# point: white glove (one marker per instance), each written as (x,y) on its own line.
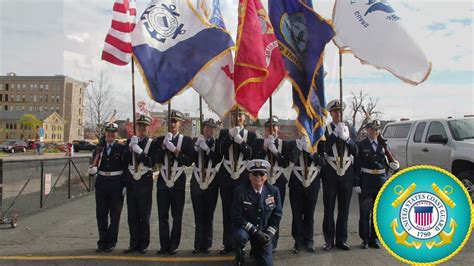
(268,140)
(234,131)
(299,144)
(92,170)
(358,190)
(238,139)
(273,148)
(204,146)
(305,144)
(136,149)
(198,142)
(343,132)
(169,136)
(394,165)
(133,140)
(170,146)
(306,147)
(124,191)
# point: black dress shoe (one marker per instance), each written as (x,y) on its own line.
(109,249)
(129,250)
(195,251)
(172,251)
(328,246)
(295,250)
(364,245)
(162,251)
(225,250)
(99,249)
(143,251)
(206,251)
(343,246)
(310,249)
(375,245)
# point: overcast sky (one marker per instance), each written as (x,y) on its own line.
(48,37)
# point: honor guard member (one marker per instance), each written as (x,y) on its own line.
(235,145)
(175,156)
(256,214)
(140,157)
(276,152)
(371,173)
(108,188)
(204,187)
(338,178)
(304,189)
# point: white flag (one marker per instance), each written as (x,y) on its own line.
(215,83)
(374,33)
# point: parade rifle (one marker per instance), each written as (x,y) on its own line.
(201,152)
(388,153)
(234,146)
(98,152)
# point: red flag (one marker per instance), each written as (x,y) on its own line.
(259,68)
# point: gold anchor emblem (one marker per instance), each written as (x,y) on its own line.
(446,238)
(401,238)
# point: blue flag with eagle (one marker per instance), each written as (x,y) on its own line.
(302,35)
(172,43)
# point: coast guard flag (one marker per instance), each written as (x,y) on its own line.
(172,42)
(215,83)
(374,33)
(302,35)
(118,43)
(259,67)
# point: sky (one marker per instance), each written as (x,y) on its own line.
(49,37)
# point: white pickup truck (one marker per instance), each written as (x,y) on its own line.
(447,143)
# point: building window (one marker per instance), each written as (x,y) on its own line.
(6,87)
(12,98)
(41,108)
(30,108)
(6,97)
(46,86)
(1,87)
(23,98)
(18,98)
(11,107)
(34,98)
(13,86)
(1,97)
(23,108)
(24,86)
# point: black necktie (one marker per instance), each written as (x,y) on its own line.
(374,145)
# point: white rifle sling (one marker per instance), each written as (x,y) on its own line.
(241,163)
(334,162)
(312,171)
(141,170)
(277,170)
(176,170)
(210,171)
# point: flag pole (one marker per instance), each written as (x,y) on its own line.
(270,157)
(201,129)
(341,145)
(168,153)
(133,96)
(134,112)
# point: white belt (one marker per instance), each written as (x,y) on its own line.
(334,162)
(115,173)
(372,171)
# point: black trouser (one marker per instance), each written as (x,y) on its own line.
(366,225)
(303,204)
(139,200)
(342,191)
(170,199)
(226,190)
(262,255)
(281,185)
(204,205)
(108,202)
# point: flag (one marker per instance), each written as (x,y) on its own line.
(118,43)
(259,67)
(171,43)
(374,32)
(302,35)
(215,83)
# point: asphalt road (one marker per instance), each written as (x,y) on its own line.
(70,230)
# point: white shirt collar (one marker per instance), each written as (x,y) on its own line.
(258,191)
(373,140)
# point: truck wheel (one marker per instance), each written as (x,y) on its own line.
(467,179)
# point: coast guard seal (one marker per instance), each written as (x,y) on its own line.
(423,215)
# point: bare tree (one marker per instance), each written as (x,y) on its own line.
(363,108)
(99,104)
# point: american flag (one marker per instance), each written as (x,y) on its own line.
(423,215)
(118,43)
